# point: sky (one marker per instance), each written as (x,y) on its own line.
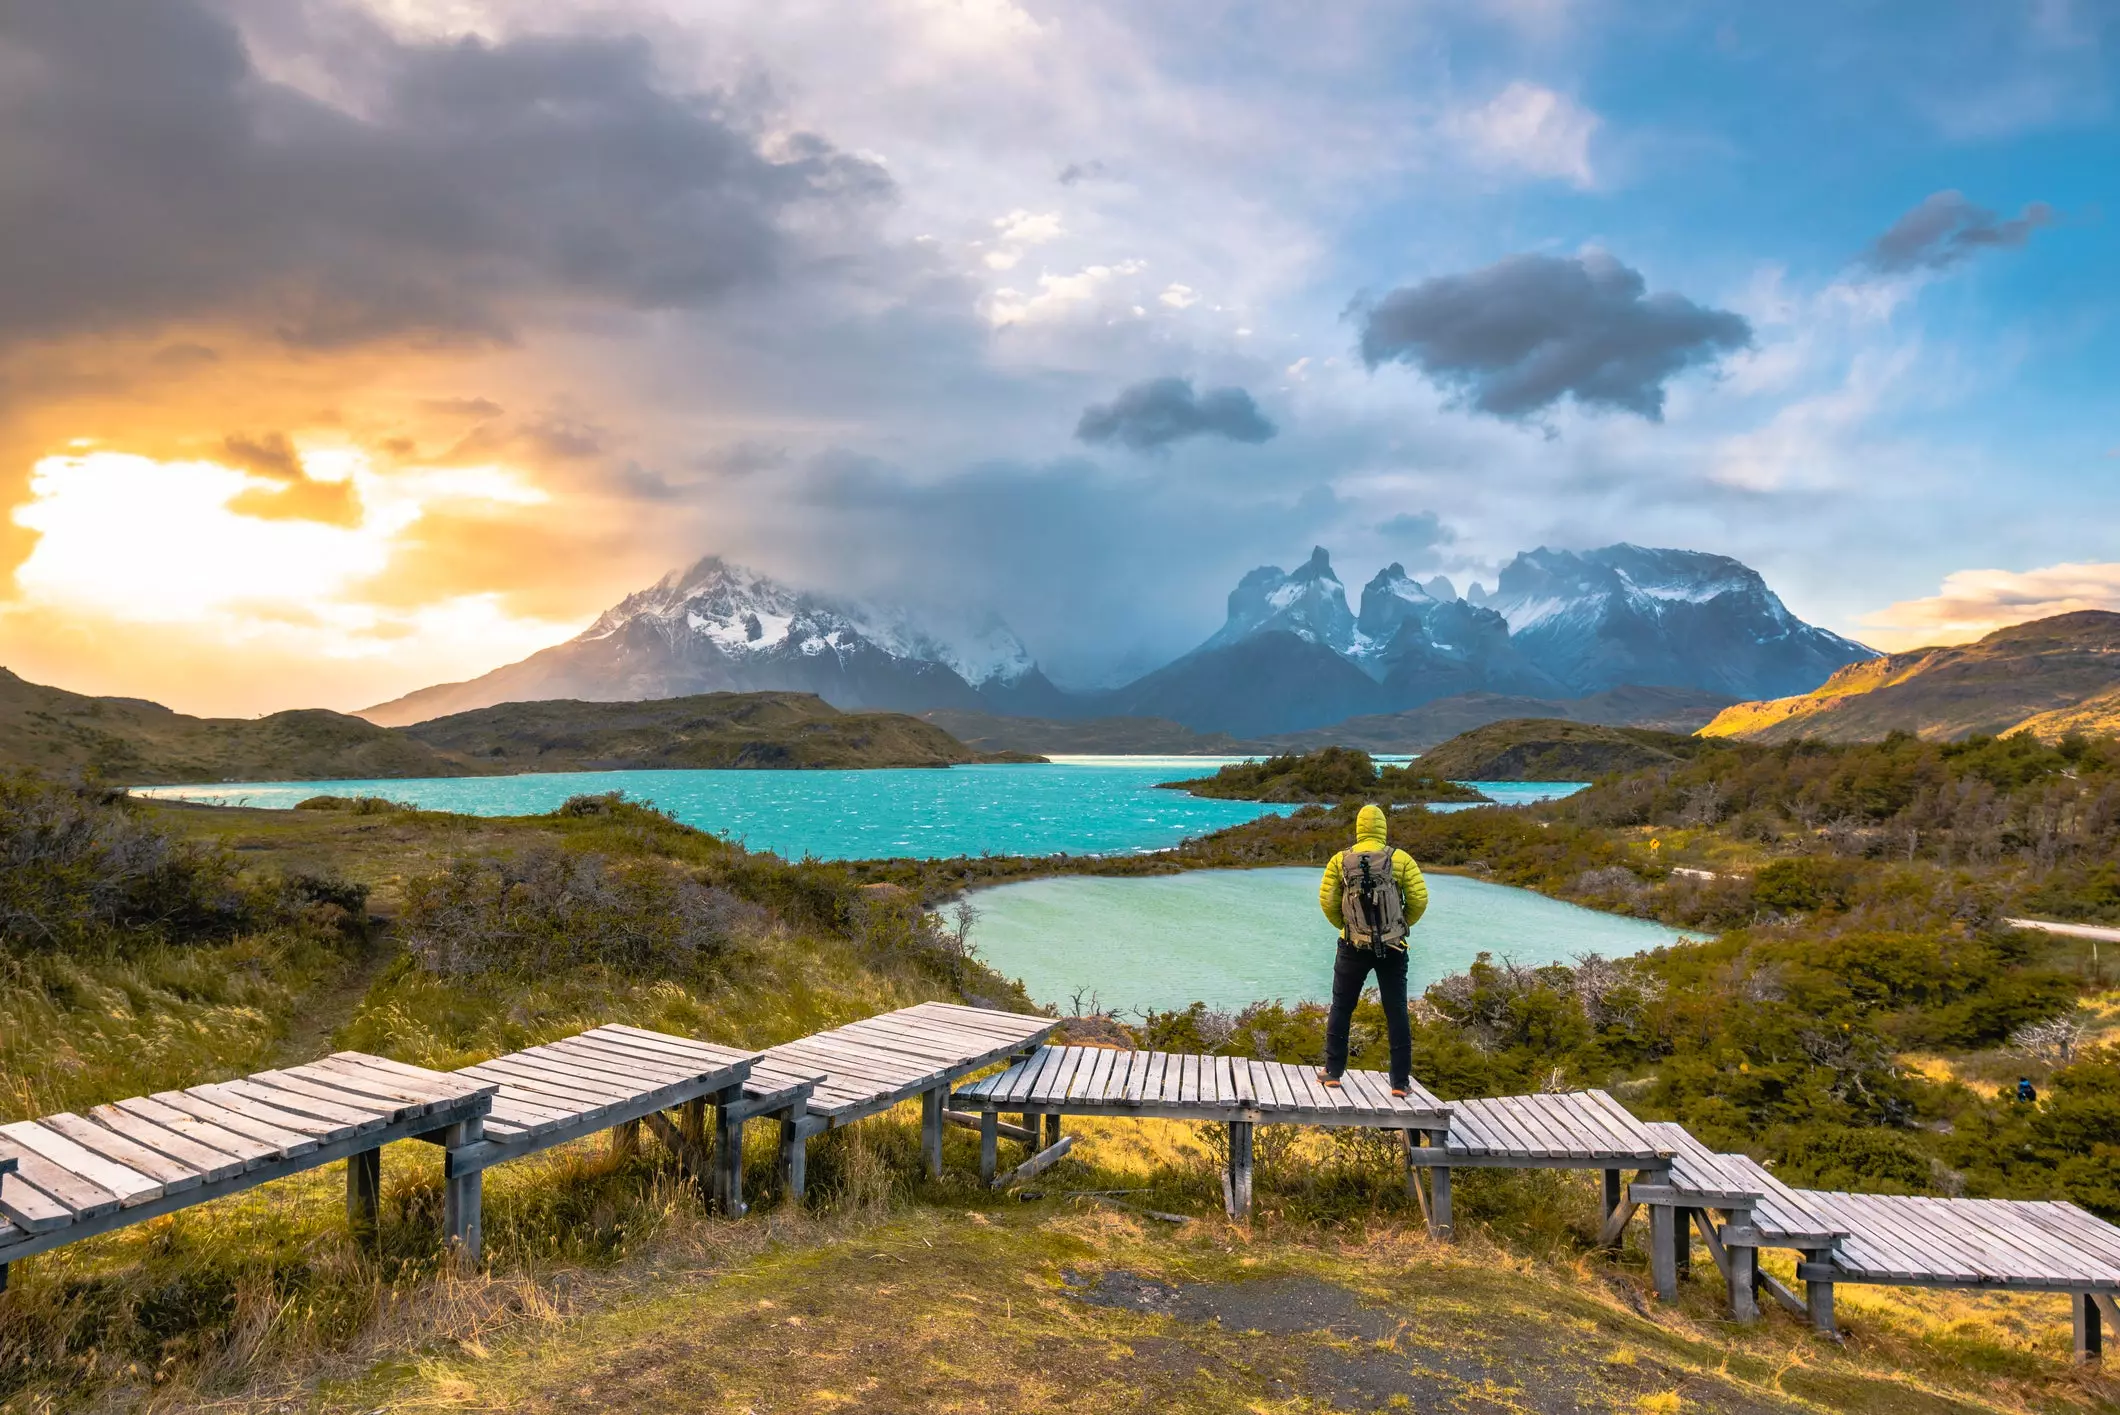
(348,346)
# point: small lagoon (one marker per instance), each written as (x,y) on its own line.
(1082,806)
(1233,937)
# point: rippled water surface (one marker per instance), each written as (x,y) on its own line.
(1088,805)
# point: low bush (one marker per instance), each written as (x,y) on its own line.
(546,910)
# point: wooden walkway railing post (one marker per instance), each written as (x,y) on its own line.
(728,1152)
(364,1196)
(793,1164)
(7,1167)
(1240,1170)
(2090,1328)
(933,1102)
(463,1194)
(1615,1192)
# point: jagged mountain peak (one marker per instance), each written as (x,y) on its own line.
(1309,602)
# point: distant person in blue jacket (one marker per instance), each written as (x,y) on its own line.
(1373,895)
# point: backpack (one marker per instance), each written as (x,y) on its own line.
(1370,902)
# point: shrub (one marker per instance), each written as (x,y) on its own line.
(78,865)
(547,910)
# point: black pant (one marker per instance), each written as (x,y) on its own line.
(1350,970)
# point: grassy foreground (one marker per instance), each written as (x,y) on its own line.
(184,944)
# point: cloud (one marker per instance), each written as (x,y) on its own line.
(1415,531)
(1518,336)
(153,172)
(1151,415)
(1944,228)
(1972,603)
(1533,130)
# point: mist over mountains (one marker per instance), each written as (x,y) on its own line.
(1292,654)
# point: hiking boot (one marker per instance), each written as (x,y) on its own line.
(1400,1091)
(1332,1081)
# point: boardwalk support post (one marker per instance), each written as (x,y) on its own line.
(932,1104)
(2090,1328)
(1664,1241)
(794,1165)
(1818,1295)
(625,1141)
(989,1146)
(463,1191)
(364,1194)
(1615,1195)
(1240,1170)
(1052,1128)
(1439,1225)
(692,1125)
(728,1152)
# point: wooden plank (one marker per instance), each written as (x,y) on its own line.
(1015,1026)
(172,1175)
(1039,1075)
(1244,1082)
(2029,1231)
(286,1142)
(2005,1231)
(683,1048)
(1110,1077)
(541,1062)
(1058,1080)
(228,1098)
(544,1090)
(381,1111)
(444,1085)
(557,1080)
(856,1059)
(356,1071)
(239,1144)
(131,1186)
(83,1197)
(338,1116)
(633,1051)
(203,1159)
(1528,1115)
(1364,1085)
(1980,1238)
(612,1057)
(30,1208)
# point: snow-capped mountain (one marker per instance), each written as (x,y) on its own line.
(721,627)
(1310,603)
(1560,624)
(1597,619)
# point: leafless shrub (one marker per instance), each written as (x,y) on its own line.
(2053,1042)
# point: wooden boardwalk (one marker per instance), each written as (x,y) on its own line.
(867,1067)
(617,1078)
(1233,1091)
(1893,1240)
(67,1177)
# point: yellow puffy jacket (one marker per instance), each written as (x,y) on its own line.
(1369,826)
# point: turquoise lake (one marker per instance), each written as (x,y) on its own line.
(1233,937)
(1079,805)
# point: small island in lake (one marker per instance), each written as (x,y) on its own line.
(1330,774)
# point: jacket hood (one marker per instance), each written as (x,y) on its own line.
(1369,826)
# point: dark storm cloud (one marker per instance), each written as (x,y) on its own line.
(1415,531)
(1520,335)
(150,171)
(1152,414)
(1944,228)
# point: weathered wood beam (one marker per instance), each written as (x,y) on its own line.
(966,1120)
(1037,1164)
(1789,1301)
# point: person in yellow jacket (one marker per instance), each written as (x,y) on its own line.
(1373,895)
